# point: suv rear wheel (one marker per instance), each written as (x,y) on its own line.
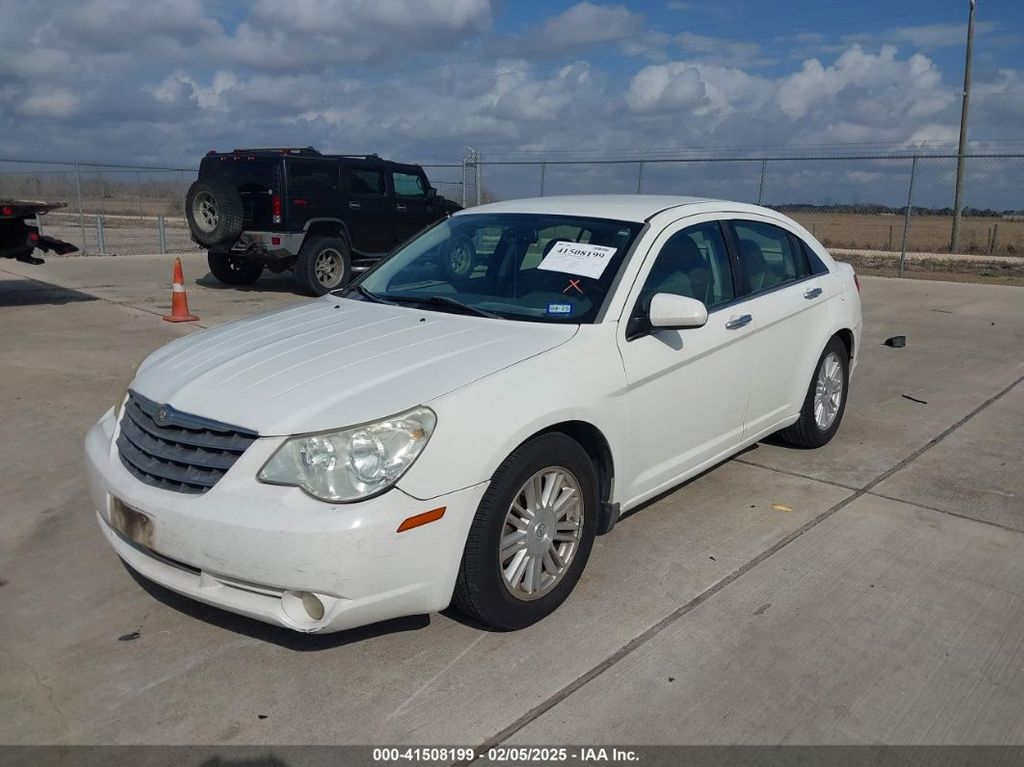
(213,209)
(234,270)
(323,265)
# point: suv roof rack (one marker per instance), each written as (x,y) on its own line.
(300,150)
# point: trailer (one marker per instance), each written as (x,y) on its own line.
(19,233)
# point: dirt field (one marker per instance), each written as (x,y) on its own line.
(929,234)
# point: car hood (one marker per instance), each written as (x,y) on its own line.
(333,362)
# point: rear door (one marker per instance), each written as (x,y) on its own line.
(412,206)
(790,318)
(687,389)
(313,190)
(369,209)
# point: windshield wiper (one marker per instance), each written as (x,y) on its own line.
(450,303)
(370,296)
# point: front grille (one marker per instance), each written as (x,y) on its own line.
(177,451)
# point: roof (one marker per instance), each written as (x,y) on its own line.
(621,207)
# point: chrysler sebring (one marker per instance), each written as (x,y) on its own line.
(458,424)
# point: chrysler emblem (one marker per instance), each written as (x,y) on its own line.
(161,416)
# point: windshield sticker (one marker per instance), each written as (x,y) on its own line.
(559,309)
(578,258)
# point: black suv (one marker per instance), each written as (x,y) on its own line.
(320,215)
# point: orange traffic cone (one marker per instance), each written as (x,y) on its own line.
(179,301)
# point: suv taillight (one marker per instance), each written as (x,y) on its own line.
(856,281)
(275,208)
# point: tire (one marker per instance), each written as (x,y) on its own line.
(482,591)
(213,209)
(808,431)
(234,270)
(459,258)
(323,265)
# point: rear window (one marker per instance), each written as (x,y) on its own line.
(244,175)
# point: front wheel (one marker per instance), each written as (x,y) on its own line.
(323,265)
(825,401)
(234,270)
(531,536)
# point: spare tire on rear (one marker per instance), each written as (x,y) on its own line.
(213,209)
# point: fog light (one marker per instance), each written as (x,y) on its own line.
(302,607)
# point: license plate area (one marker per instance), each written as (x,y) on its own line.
(131,523)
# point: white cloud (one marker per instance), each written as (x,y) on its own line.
(589,23)
(313,34)
(55,103)
(722,50)
(932,36)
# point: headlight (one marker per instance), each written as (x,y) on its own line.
(354,463)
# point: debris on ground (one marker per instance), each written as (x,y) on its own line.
(915,399)
(896,342)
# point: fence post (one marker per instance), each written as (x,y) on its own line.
(543,167)
(81,213)
(906,221)
(463,181)
(476,157)
(760,188)
(162,232)
(640,177)
(995,239)
(101,245)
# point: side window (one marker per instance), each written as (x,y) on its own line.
(313,178)
(694,263)
(769,256)
(366,182)
(408,185)
(814,263)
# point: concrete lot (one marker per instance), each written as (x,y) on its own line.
(887,606)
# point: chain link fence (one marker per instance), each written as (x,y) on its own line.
(889,205)
(900,206)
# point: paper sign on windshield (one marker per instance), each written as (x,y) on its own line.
(578,258)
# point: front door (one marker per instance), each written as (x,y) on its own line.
(412,206)
(687,390)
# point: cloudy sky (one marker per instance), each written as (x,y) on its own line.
(162,81)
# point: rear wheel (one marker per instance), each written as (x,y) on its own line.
(459,258)
(825,401)
(531,536)
(234,270)
(323,265)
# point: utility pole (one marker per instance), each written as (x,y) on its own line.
(954,241)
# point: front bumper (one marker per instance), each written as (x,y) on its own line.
(255,549)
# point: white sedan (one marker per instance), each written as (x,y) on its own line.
(457,425)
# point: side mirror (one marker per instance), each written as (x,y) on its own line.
(431,193)
(669,311)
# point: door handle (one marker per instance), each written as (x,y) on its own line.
(400,207)
(812,293)
(739,322)
(354,205)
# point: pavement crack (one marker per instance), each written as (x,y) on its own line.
(49,690)
(644,637)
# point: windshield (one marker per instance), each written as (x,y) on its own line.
(543,268)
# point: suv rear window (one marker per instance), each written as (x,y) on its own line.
(365,181)
(313,177)
(248,176)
